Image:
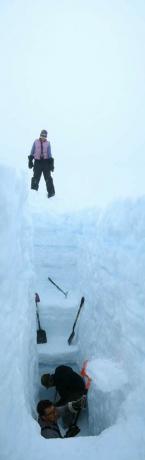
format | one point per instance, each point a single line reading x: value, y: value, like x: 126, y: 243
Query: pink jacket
x: 36, y: 150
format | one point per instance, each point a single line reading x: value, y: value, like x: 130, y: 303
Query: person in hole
x: 40, y: 159
x: 48, y: 416
x: 69, y: 385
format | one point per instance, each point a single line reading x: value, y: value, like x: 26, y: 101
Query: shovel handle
x: 73, y: 329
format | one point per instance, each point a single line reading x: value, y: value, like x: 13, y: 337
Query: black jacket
x: 69, y: 384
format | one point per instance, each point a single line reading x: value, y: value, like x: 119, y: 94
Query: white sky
x: 76, y: 68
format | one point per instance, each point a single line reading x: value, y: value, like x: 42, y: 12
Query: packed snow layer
x: 111, y: 261
x: 111, y: 275
x: 107, y: 374
x: 18, y: 361
x: 101, y: 266
x: 107, y: 393
x: 102, y: 245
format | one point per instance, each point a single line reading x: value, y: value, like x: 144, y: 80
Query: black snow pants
x: 42, y: 166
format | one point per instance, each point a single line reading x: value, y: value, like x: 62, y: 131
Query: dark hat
x: 43, y: 133
x: 47, y: 380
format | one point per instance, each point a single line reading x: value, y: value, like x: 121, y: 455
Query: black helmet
x: 43, y: 133
x: 47, y: 380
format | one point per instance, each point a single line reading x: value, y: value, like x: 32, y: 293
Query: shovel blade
x: 41, y: 336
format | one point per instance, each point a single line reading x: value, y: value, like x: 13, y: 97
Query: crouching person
x: 69, y: 385
x: 48, y: 416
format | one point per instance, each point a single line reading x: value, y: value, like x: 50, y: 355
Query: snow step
x: 57, y: 351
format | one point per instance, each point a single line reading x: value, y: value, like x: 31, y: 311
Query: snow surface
x: 98, y: 255
x: 107, y: 374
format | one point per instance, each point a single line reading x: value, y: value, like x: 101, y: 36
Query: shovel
x: 73, y: 329
x: 41, y: 334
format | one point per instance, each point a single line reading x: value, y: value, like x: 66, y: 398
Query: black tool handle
x: 81, y: 304
x: 56, y: 285
x: 73, y: 329
x: 38, y: 319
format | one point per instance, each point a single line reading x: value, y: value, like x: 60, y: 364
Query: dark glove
x: 30, y: 162
x: 51, y: 164
x: 72, y: 431
x: 75, y: 406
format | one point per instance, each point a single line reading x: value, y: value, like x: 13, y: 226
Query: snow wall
x: 18, y: 362
x: 111, y: 273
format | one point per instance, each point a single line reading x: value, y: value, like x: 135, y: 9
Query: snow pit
x: 109, y: 272
x: 51, y: 394
x: 106, y: 394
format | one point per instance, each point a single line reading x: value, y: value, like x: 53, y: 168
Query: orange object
x: 85, y: 375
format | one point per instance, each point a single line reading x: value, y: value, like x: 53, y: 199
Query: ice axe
x: 74, y: 325
x: 56, y: 285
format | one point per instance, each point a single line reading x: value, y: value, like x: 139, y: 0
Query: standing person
x: 43, y: 163
x: 69, y: 385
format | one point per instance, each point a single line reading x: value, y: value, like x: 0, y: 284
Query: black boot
x: 34, y: 184
x: 50, y: 187
x: 50, y: 194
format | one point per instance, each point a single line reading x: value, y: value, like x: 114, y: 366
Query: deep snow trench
x: 100, y: 256
x: 56, y: 256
